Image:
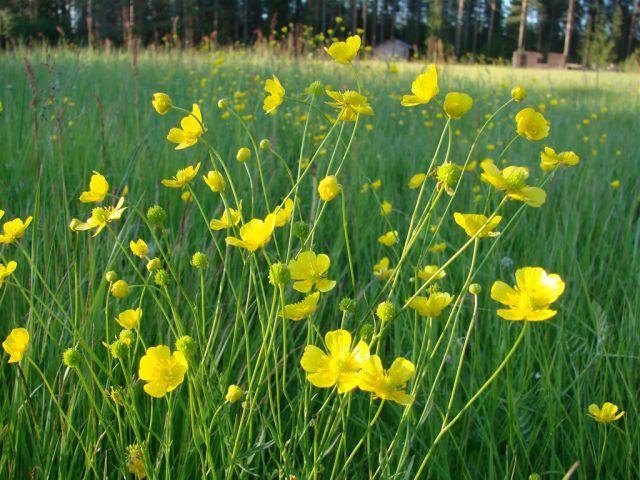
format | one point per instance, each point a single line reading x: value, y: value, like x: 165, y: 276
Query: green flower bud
x: 366, y: 332
x: 127, y: 336
x: 386, y: 311
x: 347, y: 305
x: 316, y: 88
x: 111, y: 276
x: 71, y: 358
x: 475, y: 289
x: 161, y: 277
x: 119, y: 349
x: 223, y: 103
x: 265, y: 144
x: 186, y: 345
x: 448, y: 174
x: 199, y: 260
x: 279, y: 274
x: 156, y: 215
x: 301, y: 230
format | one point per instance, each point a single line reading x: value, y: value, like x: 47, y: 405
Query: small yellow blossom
x: 120, y: 289
x: 130, y: 319
x: 477, y: 225
x: 328, y: 188
x: 387, y: 384
x: 243, y: 154
x: 234, y: 394
x: 457, y: 104
x: 550, y: 160
x: 386, y: 208
x: 350, y: 104
x: 428, y: 272
x: 98, y: 189
x: 254, y: 234
x: 345, y: 52
x: 101, y: 216
x: 389, y: 239
x: 381, y: 269
x: 6, y: 270
x: 302, y: 309
x: 229, y: 218
x: 531, y: 124
x: 309, y: 270
x: 162, y: 370
x: 431, y: 306
x: 276, y: 95
x: 518, y: 93
x: 512, y: 180
x: 215, y: 181
x: 614, y: 184
x: 161, y: 102
x: 607, y: 414
x: 191, y: 127
x: 139, y: 248
x: 423, y: 88
x: 16, y: 344
x: 438, y: 247
x: 417, y: 180
x: 182, y: 177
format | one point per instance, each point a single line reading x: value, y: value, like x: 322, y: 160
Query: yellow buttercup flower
x: 130, y: 319
x: 389, y: 239
x: 254, y: 234
x: 162, y: 370
x: 139, y: 248
x: 428, y: 272
x: 101, y: 216
x: 182, y: 177
x: 350, y: 104
x: 532, y: 296
x: 13, y: 230
x: 229, y: 218
x: 302, y: 309
x: 512, y: 180
x: 457, y: 104
x: 120, y: 289
x: 531, y: 124
x: 387, y: 384
x: 283, y: 213
x: 6, y: 270
x: 417, y: 180
x: 191, y: 127
x: 423, y: 88
x: 607, y: 414
x: 431, y: 306
x: 328, y: 188
x: 518, y: 93
x: 98, y: 189
x: 16, y: 344
x: 309, y: 270
x: 276, y: 95
x: 345, y: 52
x: 243, y: 155
x: 215, y: 181
x: 381, y: 269
x: 341, y: 365
x: 550, y: 160
x: 477, y: 225
x: 161, y: 102
x: 234, y: 394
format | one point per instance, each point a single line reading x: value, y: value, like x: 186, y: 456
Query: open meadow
x: 120, y: 354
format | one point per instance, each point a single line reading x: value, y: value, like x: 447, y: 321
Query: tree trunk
x: 492, y: 16
x: 632, y: 28
x: 523, y: 26
x: 567, y: 35
x: 459, y: 26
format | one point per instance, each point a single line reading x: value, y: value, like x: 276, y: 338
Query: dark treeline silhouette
x: 593, y: 32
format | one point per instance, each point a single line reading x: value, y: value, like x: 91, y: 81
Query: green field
x: 84, y: 111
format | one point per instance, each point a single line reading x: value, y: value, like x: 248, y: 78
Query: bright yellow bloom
x: 16, y: 344
x: 229, y: 218
x: 457, y: 104
x: 302, y: 309
x: 182, y: 177
x: 130, y: 319
x: 387, y: 384
x: 512, y: 181
x: 13, y: 229
x: 381, y: 269
x: 139, y: 248
x: 101, y: 216
x: 340, y: 366
x: 607, y: 414
x: 309, y: 270
x: 429, y: 273
x: 531, y: 124
x: 417, y: 180
x: 243, y: 154
x: 345, y: 52
x: 191, y: 127
x: 431, y: 306
x: 424, y: 88
x: 518, y: 93
x: 615, y: 184
x: 283, y: 213
x: 477, y: 225
x: 215, y: 181
x: 98, y: 189
x: 161, y: 102
x: 7, y: 270
x: 234, y: 394
x: 328, y: 188
x: 120, y: 289
x: 276, y: 95
x: 550, y: 160
x: 389, y: 239
x: 162, y: 370
x: 350, y: 104
x: 386, y: 208
x: 532, y: 296
x: 254, y: 234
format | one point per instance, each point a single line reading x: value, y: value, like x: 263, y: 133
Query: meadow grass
x: 531, y: 419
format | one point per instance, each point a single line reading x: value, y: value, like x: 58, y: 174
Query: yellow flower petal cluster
x: 345, y: 52
x: 428, y: 272
x: 309, y: 270
x: 328, y: 188
x: 457, y: 104
x: 215, y: 181
x: 381, y: 269
x: 229, y: 218
x: 512, y: 180
x: 191, y: 127
x: 283, y: 213
x: 417, y: 180
x: 607, y: 414
x: 101, y: 216
x: 350, y: 104
x: 6, y: 270
x: 13, y: 229
x: 302, y: 309
x: 423, y: 88
x: 162, y: 370
x: 16, y: 344
x: 182, y: 177
x: 98, y: 189
x: 477, y: 225
x: 276, y: 95
x: 431, y: 306
x: 139, y: 248
x: 254, y: 234
x: 387, y: 384
x: 389, y: 239
x: 130, y: 319
x: 161, y: 103
x: 531, y: 124
x: 550, y: 160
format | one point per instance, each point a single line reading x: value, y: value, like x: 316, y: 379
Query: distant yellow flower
x: 438, y: 247
x: 13, y: 229
x: 431, y: 306
x: 386, y: 208
x: 139, y: 248
x: 607, y: 414
x: 276, y: 95
x: 101, y: 216
x: 531, y: 124
x: 428, y: 272
x: 190, y: 131
x: 309, y: 270
x: 476, y: 225
x: 161, y: 102
x: 283, y: 213
x: 457, y: 104
x: 350, y: 104
x: 16, y: 344
x: 381, y: 269
x: 614, y: 184
x: 162, y: 370
x: 518, y: 93
x: 389, y: 239
x: 424, y: 88
x: 234, y: 394
x: 98, y: 189
x: 130, y: 319
x: 512, y: 180
x: 135, y: 457
x: 302, y: 309
x: 550, y: 160
x: 387, y: 384
x: 328, y: 188
x: 254, y: 234
x: 345, y: 52
x: 7, y: 270
x: 341, y: 365
x: 417, y: 180
x: 532, y: 296
x: 182, y: 177
x: 229, y: 218
x: 215, y: 181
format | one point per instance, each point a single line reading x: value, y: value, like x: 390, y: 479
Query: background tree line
x: 601, y: 31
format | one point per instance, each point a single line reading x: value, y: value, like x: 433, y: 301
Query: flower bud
x: 234, y: 394
x: 111, y: 276
x: 475, y: 289
x: 448, y: 174
x: 120, y: 289
x: 366, y: 332
x: 386, y: 311
x: 73, y: 224
x: 265, y: 144
x: 161, y: 278
x: 161, y: 102
x: 71, y: 358
x: 156, y: 215
x: 316, y: 88
x: 347, y: 305
x: 127, y: 336
x: 186, y: 345
x: 119, y: 349
x: 223, y: 103
x: 243, y: 154
x: 518, y: 93
x: 153, y: 264
x: 215, y: 181
x: 279, y: 274
x: 328, y: 188
x: 199, y: 260
x: 301, y: 230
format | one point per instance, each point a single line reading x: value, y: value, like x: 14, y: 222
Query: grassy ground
x: 532, y: 419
